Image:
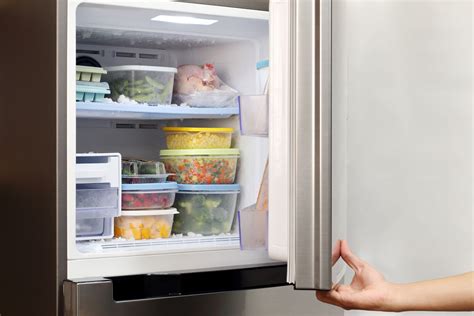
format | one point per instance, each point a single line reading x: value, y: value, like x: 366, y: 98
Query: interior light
x: 183, y: 20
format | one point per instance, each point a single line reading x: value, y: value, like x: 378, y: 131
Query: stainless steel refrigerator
x: 45, y: 130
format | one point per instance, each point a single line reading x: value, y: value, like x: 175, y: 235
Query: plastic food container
x: 143, y: 84
x: 94, y: 227
x: 148, y: 196
x: 136, y: 171
x: 198, y: 137
x: 91, y: 91
x: 205, y: 209
x: 87, y: 73
x: 139, y: 225
x: 95, y: 203
x: 201, y: 166
x: 159, y: 178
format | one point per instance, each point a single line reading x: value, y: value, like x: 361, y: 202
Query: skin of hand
x: 370, y: 291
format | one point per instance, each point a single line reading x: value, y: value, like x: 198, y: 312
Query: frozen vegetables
x: 206, y: 214
x: 143, y: 227
x: 201, y: 169
x: 146, y: 90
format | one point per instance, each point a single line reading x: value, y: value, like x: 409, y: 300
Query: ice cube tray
x: 91, y: 91
x: 87, y: 73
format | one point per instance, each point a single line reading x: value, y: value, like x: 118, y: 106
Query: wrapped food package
x: 200, y: 86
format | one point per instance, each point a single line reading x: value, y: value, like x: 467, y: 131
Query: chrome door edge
x: 313, y: 227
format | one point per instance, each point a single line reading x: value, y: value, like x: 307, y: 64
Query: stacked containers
x: 97, y: 195
x: 88, y: 85
x: 146, y: 201
x: 205, y: 167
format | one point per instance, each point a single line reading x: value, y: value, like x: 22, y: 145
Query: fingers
x: 336, y: 252
x: 352, y: 260
x: 335, y: 296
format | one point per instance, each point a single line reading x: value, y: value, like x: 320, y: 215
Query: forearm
x: 449, y: 294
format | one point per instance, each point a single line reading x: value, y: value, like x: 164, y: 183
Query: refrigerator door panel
x: 301, y: 123
x: 144, y: 295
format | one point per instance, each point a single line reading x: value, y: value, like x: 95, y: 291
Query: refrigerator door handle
x: 311, y: 50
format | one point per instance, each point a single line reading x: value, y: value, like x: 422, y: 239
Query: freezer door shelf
x: 95, y: 110
x: 140, y: 294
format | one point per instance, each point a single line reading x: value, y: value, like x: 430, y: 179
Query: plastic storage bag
x: 199, y: 86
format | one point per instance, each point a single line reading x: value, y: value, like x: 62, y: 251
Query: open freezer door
x: 300, y: 178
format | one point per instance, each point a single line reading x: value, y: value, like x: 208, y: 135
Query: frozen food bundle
x: 199, y: 86
x: 141, y: 84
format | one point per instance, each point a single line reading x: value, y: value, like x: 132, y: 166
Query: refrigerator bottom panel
x: 144, y: 295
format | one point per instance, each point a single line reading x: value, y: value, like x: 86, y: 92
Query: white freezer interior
x: 235, y: 44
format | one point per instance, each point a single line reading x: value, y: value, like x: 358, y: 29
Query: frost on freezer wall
x: 407, y: 88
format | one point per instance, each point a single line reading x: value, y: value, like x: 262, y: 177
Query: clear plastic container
x: 91, y: 91
x: 143, y: 84
x: 253, y: 228
x: 153, y: 196
x: 139, y: 225
x: 97, y: 202
x: 201, y: 166
x: 205, y: 209
x: 198, y: 137
x: 87, y: 73
x: 159, y: 178
x: 90, y: 227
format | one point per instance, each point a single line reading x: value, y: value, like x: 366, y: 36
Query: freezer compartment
x: 143, y: 294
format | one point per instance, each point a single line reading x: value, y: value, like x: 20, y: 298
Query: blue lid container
x: 209, y: 187
x: 171, y: 186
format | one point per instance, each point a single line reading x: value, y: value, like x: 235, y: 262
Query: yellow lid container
x: 198, y: 137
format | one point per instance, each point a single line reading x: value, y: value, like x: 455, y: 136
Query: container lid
x: 169, y: 211
x: 199, y: 152
x: 96, y: 70
x: 263, y: 64
x: 209, y: 187
x: 92, y: 87
x: 142, y: 68
x: 199, y: 129
x: 150, y: 186
x: 148, y: 176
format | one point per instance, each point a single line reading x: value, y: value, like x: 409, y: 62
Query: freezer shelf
x: 172, y: 244
x: 97, y: 110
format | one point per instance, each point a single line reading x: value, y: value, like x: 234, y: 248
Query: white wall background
x: 403, y: 71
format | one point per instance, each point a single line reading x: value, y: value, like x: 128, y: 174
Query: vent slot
x: 148, y: 126
x: 88, y: 51
x: 125, y: 125
x: 125, y: 55
x: 147, y: 56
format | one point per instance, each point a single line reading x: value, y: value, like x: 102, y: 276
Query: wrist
x: 395, y: 300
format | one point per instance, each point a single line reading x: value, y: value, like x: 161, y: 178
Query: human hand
x: 368, y: 289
